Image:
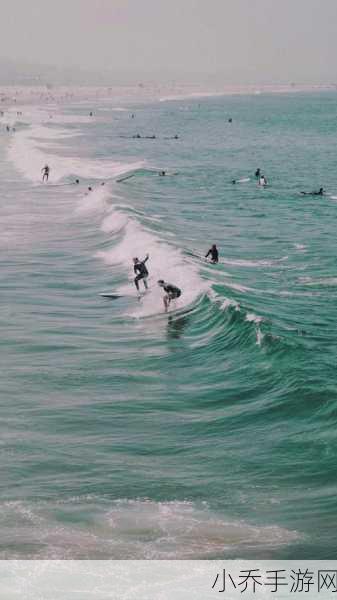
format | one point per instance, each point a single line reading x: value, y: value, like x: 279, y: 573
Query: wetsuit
x: 143, y: 273
x: 214, y: 254
x: 172, y: 291
x: 320, y: 193
x: 45, y: 172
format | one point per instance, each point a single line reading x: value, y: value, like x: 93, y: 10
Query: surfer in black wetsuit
x: 172, y: 292
x: 319, y: 193
x: 213, y: 251
x: 45, y: 171
x: 257, y: 173
x: 141, y: 271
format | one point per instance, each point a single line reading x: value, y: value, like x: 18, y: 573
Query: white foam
x: 132, y: 529
x: 251, y: 317
x: 165, y: 262
x: 259, y: 336
x: 228, y: 302
x: 94, y: 202
x: 114, y: 222
x: 32, y: 148
x: 253, y: 263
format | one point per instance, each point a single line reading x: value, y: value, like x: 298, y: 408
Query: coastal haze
x: 228, y: 41
x: 207, y: 432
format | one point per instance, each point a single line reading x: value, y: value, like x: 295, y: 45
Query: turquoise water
x: 209, y: 432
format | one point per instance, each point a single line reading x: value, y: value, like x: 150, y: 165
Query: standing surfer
x: 141, y: 271
x: 45, y: 171
x: 172, y: 292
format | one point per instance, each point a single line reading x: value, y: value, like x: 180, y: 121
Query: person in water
x: 172, y: 292
x: 262, y: 181
x: 45, y: 173
x: 213, y: 251
x: 141, y: 271
x: 162, y: 173
x: 315, y: 193
x: 257, y: 173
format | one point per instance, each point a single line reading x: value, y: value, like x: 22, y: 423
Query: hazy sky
x: 238, y: 40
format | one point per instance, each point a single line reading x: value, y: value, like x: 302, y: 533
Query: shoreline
x: 11, y: 96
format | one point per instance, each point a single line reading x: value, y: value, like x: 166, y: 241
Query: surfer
x: 320, y: 192
x: 45, y: 173
x: 172, y: 292
x: 257, y: 173
x: 141, y: 271
x: 262, y: 181
x: 213, y: 251
x: 162, y: 173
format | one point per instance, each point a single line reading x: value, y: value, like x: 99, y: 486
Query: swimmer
x: 45, y: 171
x: 141, y: 271
x: 213, y: 251
x: 172, y: 292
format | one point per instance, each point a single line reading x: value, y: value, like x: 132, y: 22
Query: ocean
x: 206, y: 432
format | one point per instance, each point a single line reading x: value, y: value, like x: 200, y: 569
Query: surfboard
x: 200, y: 257
x: 116, y: 295
x: 125, y: 178
x: 241, y: 180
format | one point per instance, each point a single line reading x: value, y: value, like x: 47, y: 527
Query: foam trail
x: 31, y: 149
